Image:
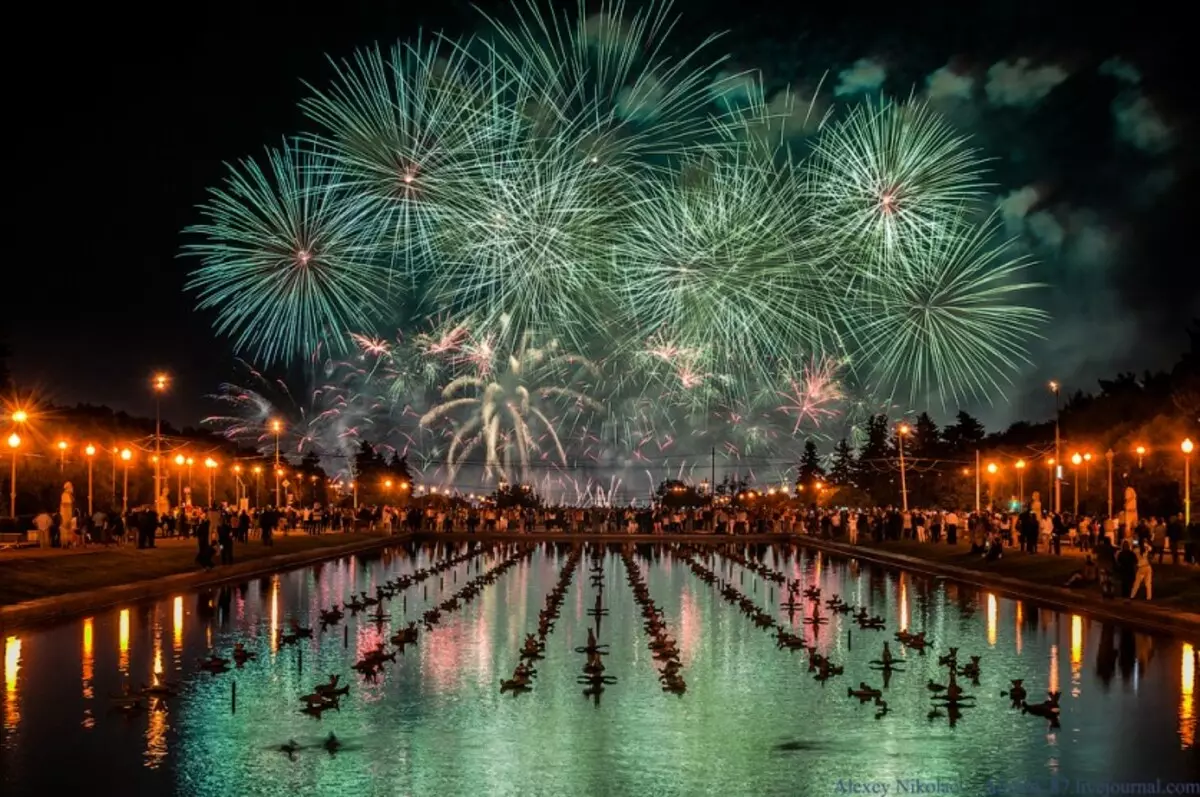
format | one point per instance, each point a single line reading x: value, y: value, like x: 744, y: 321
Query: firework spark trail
x: 815, y: 394
x: 497, y: 409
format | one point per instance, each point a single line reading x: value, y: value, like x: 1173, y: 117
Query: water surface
x: 752, y: 722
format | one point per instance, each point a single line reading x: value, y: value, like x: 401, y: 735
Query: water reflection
x: 12, y: 665
x: 123, y: 642
x: 992, y: 609
x: 436, y: 723
x: 1187, y: 711
x: 177, y: 625
x: 89, y: 658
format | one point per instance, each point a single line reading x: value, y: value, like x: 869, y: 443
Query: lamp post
x: 991, y: 469
x: 126, y: 455
x: 354, y: 490
x: 901, y: 431
x: 1109, y: 456
x: 1187, y: 448
x: 237, y: 485
x: 978, y: 476
x: 1141, y: 452
x: 190, y: 462
x: 277, y: 427
x: 116, y: 452
x: 160, y: 385
x: 257, y: 485
x: 1076, y: 460
x: 1054, y: 388
x: 1021, y: 480
x: 91, y: 455
x: 1050, y: 480
x: 211, y: 464
x: 14, y: 442
x: 62, y: 456
x: 180, y: 461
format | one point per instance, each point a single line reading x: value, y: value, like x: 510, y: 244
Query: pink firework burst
x: 814, y: 393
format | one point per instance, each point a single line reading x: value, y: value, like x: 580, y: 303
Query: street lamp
x: 91, y: 455
x: 277, y: 427
x: 160, y: 386
x: 1075, y: 462
x: 14, y: 442
x: 1141, y: 452
x: 1108, y: 455
x: 237, y: 484
x: 126, y: 455
x: 211, y: 464
x: 257, y: 485
x: 1187, y: 447
x: 901, y: 431
x: 1021, y: 480
x: 1087, y: 472
x: 991, y: 469
x: 20, y: 416
x: 62, y: 455
x: 180, y: 461
x: 1054, y: 388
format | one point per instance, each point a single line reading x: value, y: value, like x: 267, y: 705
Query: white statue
x: 164, y: 503
x: 1035, y: 504
x: 66, y: 510
x: 1131, y: 516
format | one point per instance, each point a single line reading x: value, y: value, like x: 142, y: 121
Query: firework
x: 949, y: 321
x: 607, y: 84
x: 725, y: 262
x: 814, y: 395
x: 891, y: 176
x: 402, y: 129
x: 510, y: 410
x: 742, y: 272
x: 284, y: 261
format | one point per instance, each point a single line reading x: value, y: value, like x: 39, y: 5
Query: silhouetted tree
x: 514, y: 495
x: 810, y: 470
x: 841, y: 471
x: 964, y: 435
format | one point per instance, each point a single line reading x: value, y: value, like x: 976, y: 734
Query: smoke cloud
x: 1020, y: 83
x: 865, y: 75
x: 947, y: 84
x: 1139, y: 124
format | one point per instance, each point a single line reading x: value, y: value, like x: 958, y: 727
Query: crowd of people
x: 1118, y: 558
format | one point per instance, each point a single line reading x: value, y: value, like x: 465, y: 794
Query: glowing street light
x: 20, y: 416
x: 211, y: 464
x: 1076, y: 460
x: 1187, y: 447
x: 1021, y: 480
x: 126, y: 455
x: 1141, y: 452
x: 991, y: 469
x: 1087, y: 472
x: 277, y: 427
x: 1054, y: 388
x: 14, y: 442
x: 91, y: 456
x: 257, y: 485
x: 160, y: 387
x: 1108, y: 455
x: 901, y: 431
x: 62, y: 455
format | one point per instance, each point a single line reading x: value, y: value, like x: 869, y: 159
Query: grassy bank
x: 36, y: 574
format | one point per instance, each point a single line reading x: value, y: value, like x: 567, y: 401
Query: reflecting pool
x: 753, y: 721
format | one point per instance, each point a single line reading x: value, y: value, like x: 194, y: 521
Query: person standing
x: 1144, y: 575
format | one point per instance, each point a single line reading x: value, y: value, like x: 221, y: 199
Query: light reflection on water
x: 436, y: 722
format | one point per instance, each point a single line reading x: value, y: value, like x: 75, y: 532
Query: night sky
x: 124, y: 118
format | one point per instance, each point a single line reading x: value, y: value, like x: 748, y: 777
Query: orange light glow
x: 89, y: 658
x: 1053, y: 668
x: 12, y: 663
x: 275, y: 614
x: 1020, y: 623
x: 123, y: 641
x: 992, y: 611
x: 903, y: 604
x: 1187, y: 708
x: 177, y: 623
